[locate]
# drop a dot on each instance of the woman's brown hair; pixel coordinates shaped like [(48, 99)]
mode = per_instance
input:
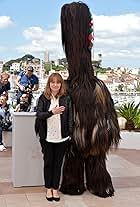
[(62, 91)]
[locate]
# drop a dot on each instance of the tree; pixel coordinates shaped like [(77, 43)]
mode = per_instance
[(58, 67), (131, 113), (47, 67), (120, 87), (6, 67)]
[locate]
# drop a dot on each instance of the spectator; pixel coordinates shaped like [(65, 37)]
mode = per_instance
[(4, 83), (24, 104), (5, 122), (27, 82)]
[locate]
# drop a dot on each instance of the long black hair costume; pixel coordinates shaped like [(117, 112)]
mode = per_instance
[(96, 127)]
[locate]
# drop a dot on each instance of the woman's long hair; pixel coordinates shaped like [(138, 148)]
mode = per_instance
[(62, 91), (75, 20)]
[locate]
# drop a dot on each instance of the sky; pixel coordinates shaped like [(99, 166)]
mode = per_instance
[(31, 27)]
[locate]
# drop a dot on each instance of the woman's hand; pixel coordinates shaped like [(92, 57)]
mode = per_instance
[(58, 109)]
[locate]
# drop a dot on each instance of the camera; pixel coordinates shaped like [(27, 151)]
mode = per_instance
[(28, 89), (24, 106)]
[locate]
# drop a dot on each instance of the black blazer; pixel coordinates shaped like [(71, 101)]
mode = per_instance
[(43, 114)]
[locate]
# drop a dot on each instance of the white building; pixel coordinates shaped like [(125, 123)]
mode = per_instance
[(1, 66), (15, 66), (63, 73), (102, 76), (46, 56)]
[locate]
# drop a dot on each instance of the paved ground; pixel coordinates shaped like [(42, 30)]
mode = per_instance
[(123, 165)]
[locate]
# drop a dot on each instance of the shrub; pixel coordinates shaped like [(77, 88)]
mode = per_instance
[(131, 113)]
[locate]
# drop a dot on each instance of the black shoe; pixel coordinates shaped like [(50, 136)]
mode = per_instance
[(49, 198), (56, 199)]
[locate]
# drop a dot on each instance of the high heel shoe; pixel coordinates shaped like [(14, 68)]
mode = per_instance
[(56, 199), (55, 195), (49, 195), (49, 198)]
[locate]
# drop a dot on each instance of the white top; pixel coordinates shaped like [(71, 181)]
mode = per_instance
[(54, 124)]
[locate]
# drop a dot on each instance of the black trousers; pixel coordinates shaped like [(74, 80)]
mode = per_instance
[(53, 154)]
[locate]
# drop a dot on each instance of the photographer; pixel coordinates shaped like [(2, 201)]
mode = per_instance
[(27, 82), (24, 104), (4, 83)]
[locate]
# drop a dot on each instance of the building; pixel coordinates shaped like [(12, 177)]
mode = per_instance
[(46, 56), (15, 66), (1, 66)]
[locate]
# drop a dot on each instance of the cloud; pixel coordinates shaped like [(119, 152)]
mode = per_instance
[(5, 21), (40, 40), (34, 33), (117, 25), (3, 50), (115, 37)]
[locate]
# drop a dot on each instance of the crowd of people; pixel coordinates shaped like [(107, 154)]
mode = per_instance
[(26, 83)]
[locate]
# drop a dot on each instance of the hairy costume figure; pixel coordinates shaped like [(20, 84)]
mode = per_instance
[(96, 127)]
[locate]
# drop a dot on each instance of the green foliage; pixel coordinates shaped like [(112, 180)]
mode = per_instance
[(120, 87), (137, 89), (137, 122), (58, 67), (27, 57), (47, 67), (5, 68), (129, 111), (100, 70)]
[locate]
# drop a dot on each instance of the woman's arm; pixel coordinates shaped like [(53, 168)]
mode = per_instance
[(40, 110)]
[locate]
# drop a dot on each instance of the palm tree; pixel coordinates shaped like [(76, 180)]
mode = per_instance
[(130, 112)]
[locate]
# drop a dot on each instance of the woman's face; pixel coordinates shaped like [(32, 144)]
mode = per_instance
[(55, 85)]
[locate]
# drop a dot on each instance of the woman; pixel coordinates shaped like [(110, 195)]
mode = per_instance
[(54, 127)]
